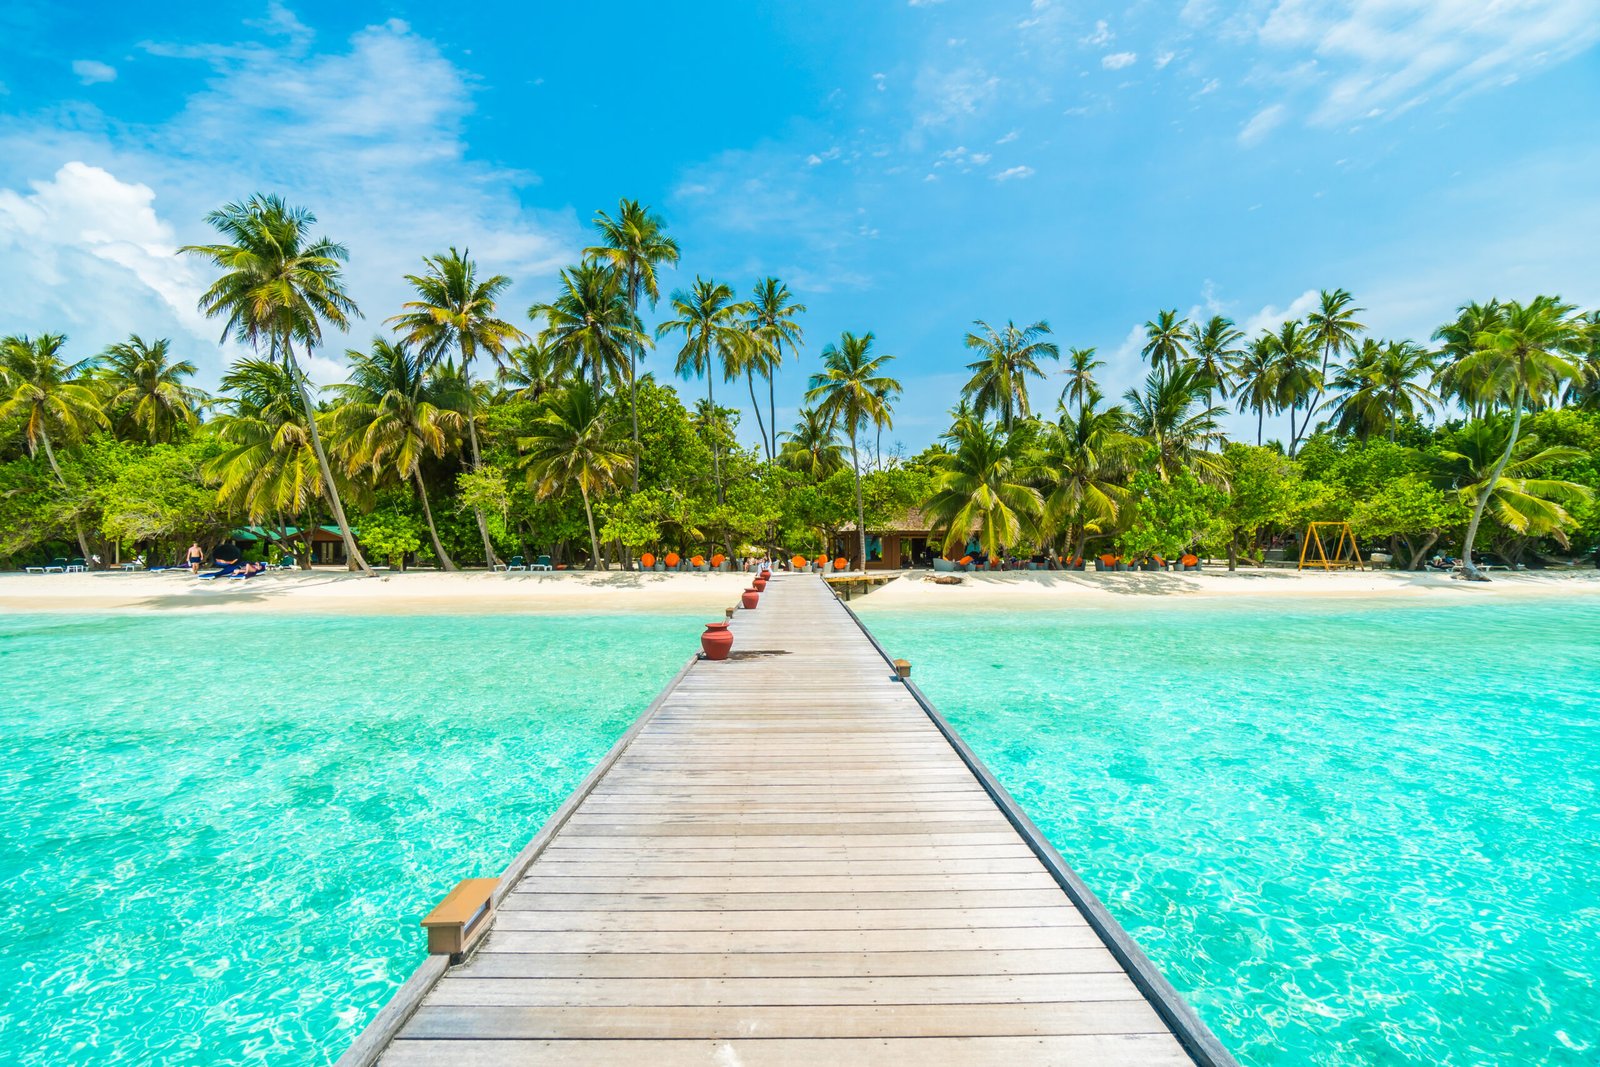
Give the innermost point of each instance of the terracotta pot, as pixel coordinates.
(759, 585)
(766, 573)
(717, 641)
(750, 599)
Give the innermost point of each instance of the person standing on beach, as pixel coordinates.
(197, 557)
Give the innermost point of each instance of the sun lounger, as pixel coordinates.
(76, 566)
(541, 564)
(516, 563)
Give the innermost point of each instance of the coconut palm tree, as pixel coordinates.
(1379, 386)
(850, 393)
(1295, 372)
(573, 444)
(267, 468)
(1519, 500)
(144, 388)
(1171, 413)
(1584, 391)
(532, 370)
(1527, 358)
(1166, 340)
(48, 396)
(984, 485)
(1255, 380)
(635, 243)
(883, 417)
(773, 312)
(1330, 329)
(279, 285)
(1006, 359)
(751, 359)
(389, 420)
(1081, 366)
(1458, 378)
(713, 340)
(812, 447)
(1216, 347)
(455, 311)
(1085, 458)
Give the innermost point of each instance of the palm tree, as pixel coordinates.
(390, 420)
(1255, 380)
(278, 287)
(1171, 414)
(812, 447)
(455, 311)
(532, 370)
(1166, 340)
(1331, 329)
(1458, 377)
(773, 312)
(1081, 366)
(1584, 391)
(1294, 360)
(1520, 501)
(850, 393)
(635, 243)
(1379, 386)
(267, 467)
(1527, 358)
(1007, 357)
(883, 418)
(48, 395)
(753, 357)
(572, 444)
(1216, 346)
(713, 339)
(1085, 458)
(146, 388)
(984, 485)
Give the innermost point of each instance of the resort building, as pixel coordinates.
(902, 542)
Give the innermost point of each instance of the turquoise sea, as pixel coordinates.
(1349, 833)
(220, 831)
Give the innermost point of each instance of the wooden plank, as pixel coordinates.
(795, 917)
(856, 901)
(785, 964)
(781, 940)
(1100, 1050)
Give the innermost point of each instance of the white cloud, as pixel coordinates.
(1388, 57)
(979, 158)
(1270, 317)
(950, 95)
(1164, 58)
(93, 72)
(1262, 123)
(1118, 60)
(1209, 87)
(367, 135)
(1102, 34)
(1013, 173)
(1008, 138)
(880, 80)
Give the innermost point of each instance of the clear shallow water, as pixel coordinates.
(1343, 843)
(220, 831)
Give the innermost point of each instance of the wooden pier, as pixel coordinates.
(791, 859)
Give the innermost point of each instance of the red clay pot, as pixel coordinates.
(750, 598)
(766, 573)
(759, 585)
(717, 641)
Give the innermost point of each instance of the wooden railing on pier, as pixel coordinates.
(791, 858)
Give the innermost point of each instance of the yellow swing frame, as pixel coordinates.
(1346, 539)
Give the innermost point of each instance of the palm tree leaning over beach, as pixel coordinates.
(47, 394)
(145, 391)
(572, 444)
(708, 318)
(774, 312)
(455, 310)
(851, 392)
(984, 485)
(278, 287)
(389, 421)
(635, 244)
(1528, 358)
(1007, 358)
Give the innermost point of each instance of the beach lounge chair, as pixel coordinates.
(77, 565)
(516, 563)
(541, 564)
(1190, 561)
(56, 566)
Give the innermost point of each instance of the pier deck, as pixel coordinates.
(792, 861)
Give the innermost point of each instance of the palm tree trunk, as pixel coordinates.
(77, 525)
(445, 562)
(711, 425)
(861, 513)
(772, 408)
(352, 553)
(1471, 569)
(634, 349)
(467, 352)
(594, 538)
(755, 405)
(1261, 423)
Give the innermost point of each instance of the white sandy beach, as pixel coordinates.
(429, 592)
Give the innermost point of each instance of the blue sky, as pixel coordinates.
(906, 166)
